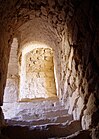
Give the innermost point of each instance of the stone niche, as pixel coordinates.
(37, 74)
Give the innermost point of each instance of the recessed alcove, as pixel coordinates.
(37, 74)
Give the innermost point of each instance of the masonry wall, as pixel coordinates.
(80, 80)
(74, 28)
(11, 88)
(39, 80)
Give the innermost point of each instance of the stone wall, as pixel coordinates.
(5, 45)
(11, 89)
(39, 81)
(80, 79)
(73, 28)
(4, 56)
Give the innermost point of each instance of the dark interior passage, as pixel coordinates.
(70, 28)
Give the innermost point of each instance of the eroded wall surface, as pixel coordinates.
(76, 25)
(39, 81)
(11, 88)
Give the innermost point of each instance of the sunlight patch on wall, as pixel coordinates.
(37, 73)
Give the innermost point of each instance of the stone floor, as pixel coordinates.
(35, 109)
(39, 119)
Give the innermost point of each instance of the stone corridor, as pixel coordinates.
(49, 69)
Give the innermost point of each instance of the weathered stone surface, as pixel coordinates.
(43, 10)
(2, 122)
(71, 28)
(38, 80)
(87, 117)
(36, 132)
(80, 135)
(51, 3)
(11, 90)
(95, 132)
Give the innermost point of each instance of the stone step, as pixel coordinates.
(35, 109)
(63, 119)
(27, 115)
(56, 113)
(82, 134)
(41, 132)
(44, 106)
